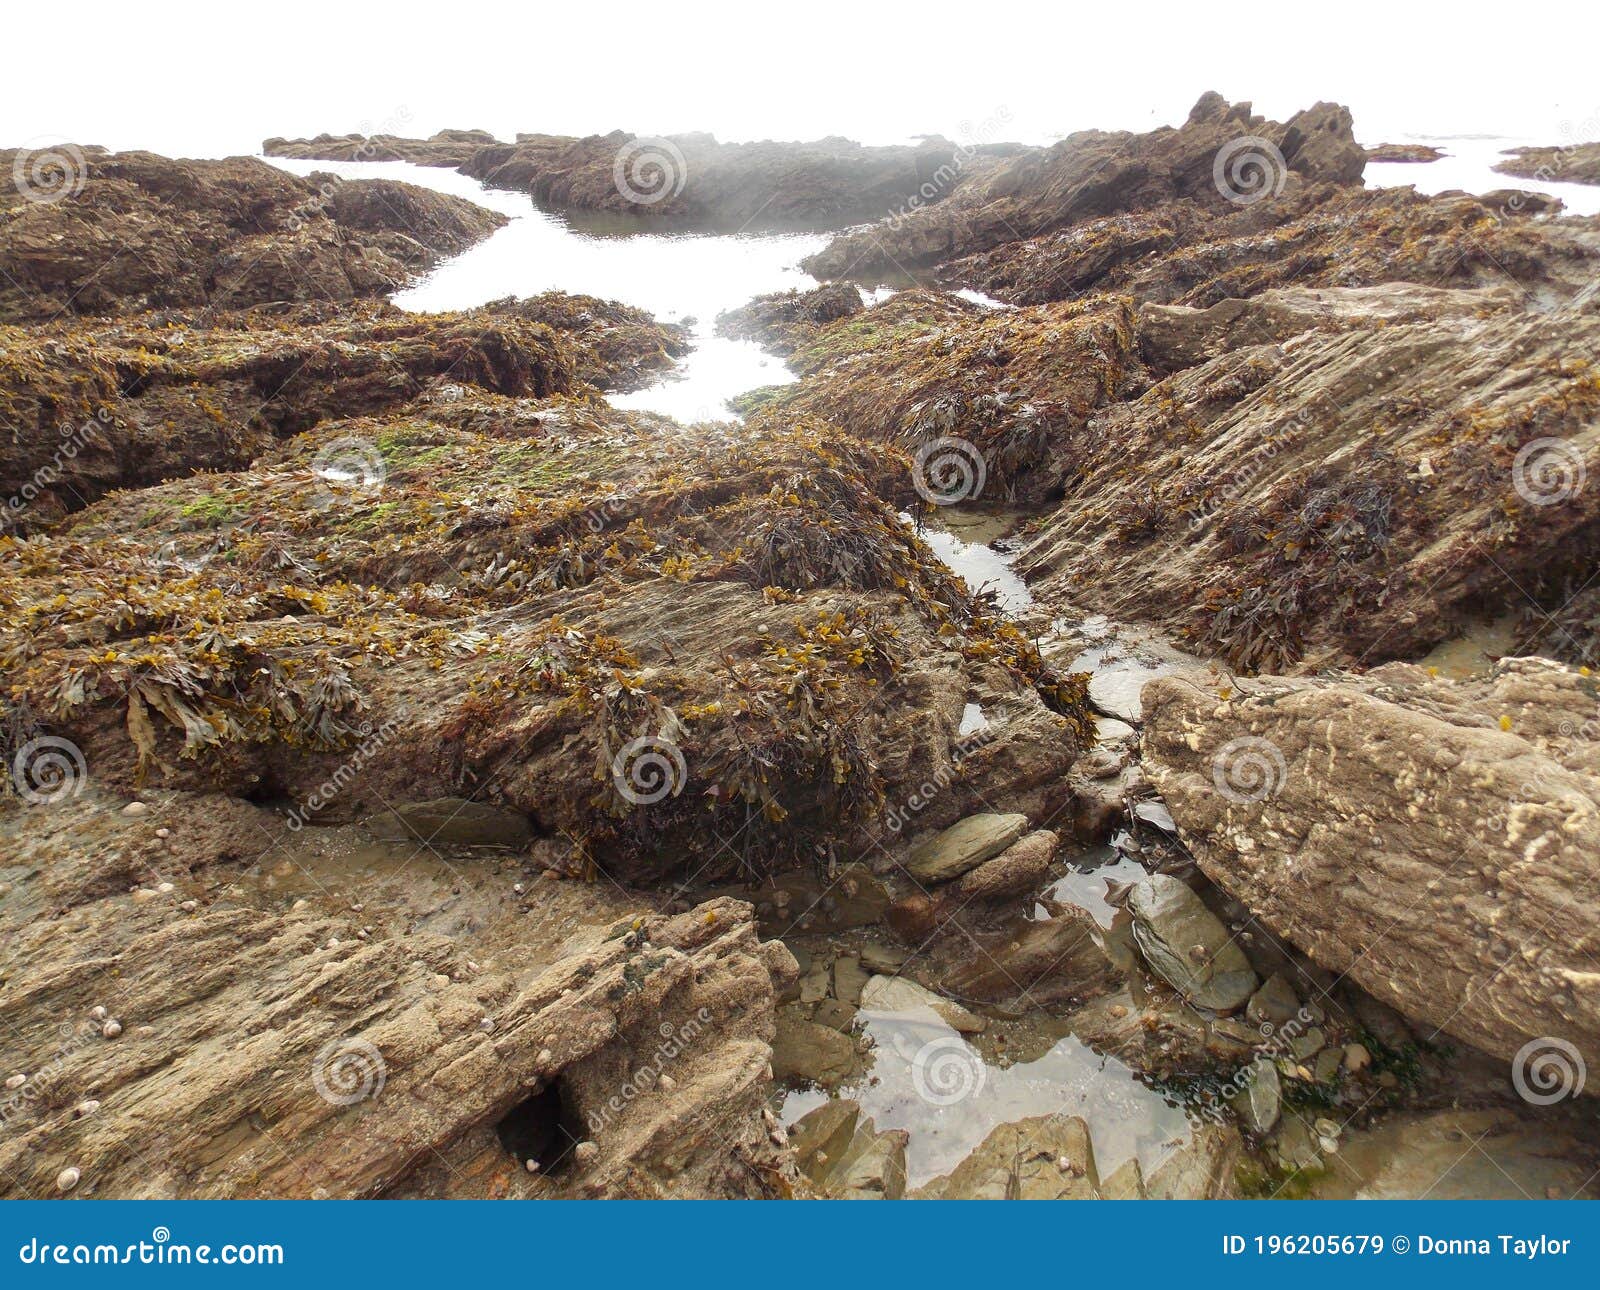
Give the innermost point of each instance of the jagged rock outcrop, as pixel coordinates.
(198, 1037)
(1434, 840)
(1094, 173)
(1354, 491)
(130, 231)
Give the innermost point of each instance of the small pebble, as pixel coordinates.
(333, 942)
(584, 1152)
(86, 1108)
(440, 980)
(666, 1083)
(98, 1012)
(302, 903)
(135, 808)
(165, 888)
(486, 1025)
(518, 887)
(111, 1029)
(67, 1179)
(189, 906)
(356, 909)
(16, 1081)
(546, 1057)
(531, 1165)
(163, 833)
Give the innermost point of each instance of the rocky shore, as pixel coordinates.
(1576, 163)
(428, 779)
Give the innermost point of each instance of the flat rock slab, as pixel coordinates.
(964, 846)
(897, 994)
(1187, 945)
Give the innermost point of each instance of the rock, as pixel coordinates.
(1021, 1161)
(808, 1053)
(1295, 1146)
(1187, 945)
(821, 1136)
(111, 1029)
(1259, 1103)
(451, 821)
(1024, 1161)
(1520, 1154)
(1404, 152)
(1275, 1002)
(1573, 163)
(784, 321)
(964, 846)
(1111, 730)
(1356, 1058)
(1020, 868)
(1265, 607)
(16, 1081)
(1156, 815)
(367, 1036)
(896, 995)
(873, 1168)
(816, 982)
(1040, 960)
(882, 959)
(67, 1179)
(225, 234)
(835, 1014)
(1094, 173)
(135, 809)
(1463, 897)
(1101, 763)
(849, 976)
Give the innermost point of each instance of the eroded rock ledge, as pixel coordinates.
(1437, 841)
